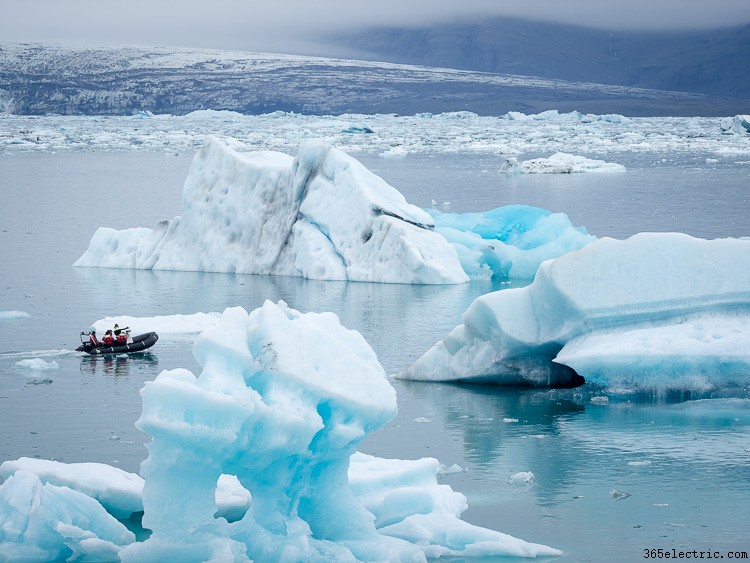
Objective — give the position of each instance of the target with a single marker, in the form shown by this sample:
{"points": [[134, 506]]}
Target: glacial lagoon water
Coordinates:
{"points": [[613, 475]]}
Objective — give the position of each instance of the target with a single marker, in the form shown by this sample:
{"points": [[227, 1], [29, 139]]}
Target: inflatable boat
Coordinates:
{"points": [[139, 343]]}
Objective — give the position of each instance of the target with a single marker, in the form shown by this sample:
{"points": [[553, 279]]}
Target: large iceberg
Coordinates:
{"points": [[321, 215], [653, 312], [255, 458]]}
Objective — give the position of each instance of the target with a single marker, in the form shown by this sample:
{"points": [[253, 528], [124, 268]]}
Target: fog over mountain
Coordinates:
{"points": [[714, 62]]}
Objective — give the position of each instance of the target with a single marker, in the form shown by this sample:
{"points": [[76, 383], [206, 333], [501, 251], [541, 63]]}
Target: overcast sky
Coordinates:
{"points": [[286, 25]]}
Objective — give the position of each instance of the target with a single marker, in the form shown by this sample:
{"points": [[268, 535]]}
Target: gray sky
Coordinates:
{"points": [[286, 25]]}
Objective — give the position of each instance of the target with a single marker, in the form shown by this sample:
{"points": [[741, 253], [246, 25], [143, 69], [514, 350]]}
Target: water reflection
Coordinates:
{"points": [[119, 365]]}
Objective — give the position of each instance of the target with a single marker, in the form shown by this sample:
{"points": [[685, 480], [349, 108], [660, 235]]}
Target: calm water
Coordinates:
{"points": [[612, 479]]}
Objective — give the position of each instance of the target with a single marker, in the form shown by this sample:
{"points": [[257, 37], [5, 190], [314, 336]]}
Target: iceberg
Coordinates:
{"points": [[44, 522], [509, 242], [560, 163], [255, 459], [321, 215], [739, 124], [657, 311]]}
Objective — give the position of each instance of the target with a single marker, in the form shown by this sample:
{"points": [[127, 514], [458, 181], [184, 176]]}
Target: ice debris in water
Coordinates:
{"points": [[657, 311], [269, 430]]}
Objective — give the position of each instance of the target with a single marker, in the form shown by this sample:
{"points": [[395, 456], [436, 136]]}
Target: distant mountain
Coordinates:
{"points": [[715, 62], [45, 79]]}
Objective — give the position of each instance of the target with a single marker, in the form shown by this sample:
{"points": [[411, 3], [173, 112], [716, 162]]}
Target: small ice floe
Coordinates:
{"points": [[600, 400], [510, 420], [11, 315], [618, 495], [446, 204], [521, 478], [38, 364], [422, 419], [661, 505], [639, 463], [536, 436], [559, 163], [450, 469], [712, 160]]}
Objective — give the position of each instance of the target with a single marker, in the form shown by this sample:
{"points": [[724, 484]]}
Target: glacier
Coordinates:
{"points": [[323, 215], [657, 311], [253, 459]]}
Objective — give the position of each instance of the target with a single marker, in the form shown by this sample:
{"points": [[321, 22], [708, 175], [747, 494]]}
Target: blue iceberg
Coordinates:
{"points": [[253, 459], [657, 311]]}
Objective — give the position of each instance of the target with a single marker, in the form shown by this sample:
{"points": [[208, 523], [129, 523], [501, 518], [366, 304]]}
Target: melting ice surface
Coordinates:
{"points": [[655, 311], [323, 215], [282, 402]]}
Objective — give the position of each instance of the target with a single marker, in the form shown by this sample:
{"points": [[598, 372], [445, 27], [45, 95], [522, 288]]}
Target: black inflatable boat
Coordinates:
{"points": [[140, 342]]}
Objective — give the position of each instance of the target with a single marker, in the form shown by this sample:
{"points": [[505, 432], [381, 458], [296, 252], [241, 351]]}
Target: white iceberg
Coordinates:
{"points": [[560, 163], [510, 241], [656, 311], [255, 458], [321, 215], [739, 124]]}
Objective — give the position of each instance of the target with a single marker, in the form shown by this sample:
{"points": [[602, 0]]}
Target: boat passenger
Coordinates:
{"points": [[120, 334], [93, 339], [108, 339]]}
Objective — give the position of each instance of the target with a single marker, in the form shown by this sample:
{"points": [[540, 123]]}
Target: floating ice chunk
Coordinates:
{"points": [[163, 324], [12, 315], [118, 491], [618, 495], [408, 503], [321, 215], [38, 364], [510, 241], [559, 163], [739, 124], [521, 478], [450, 469], [43, 522], [656, 311]]}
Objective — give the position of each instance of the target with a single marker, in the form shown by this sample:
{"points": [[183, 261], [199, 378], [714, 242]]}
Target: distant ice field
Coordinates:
{"points": [[388, 135]]}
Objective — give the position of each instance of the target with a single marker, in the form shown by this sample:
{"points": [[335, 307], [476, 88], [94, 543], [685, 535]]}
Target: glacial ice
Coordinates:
{"points": [[560, 163], [739, 124], [325, 216], [510, 241], [321, 215], [255, 458], [656, 311], [44, 522]]}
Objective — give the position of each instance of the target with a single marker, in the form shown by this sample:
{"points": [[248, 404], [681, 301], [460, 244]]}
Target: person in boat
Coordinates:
{"points": [[93, 339], [108, 339], [122, 335]]}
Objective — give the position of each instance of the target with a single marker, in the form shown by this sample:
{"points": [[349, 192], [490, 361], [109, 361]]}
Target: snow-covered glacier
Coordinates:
{"points": [[323, 215], [253, 459], [657, 311]]}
